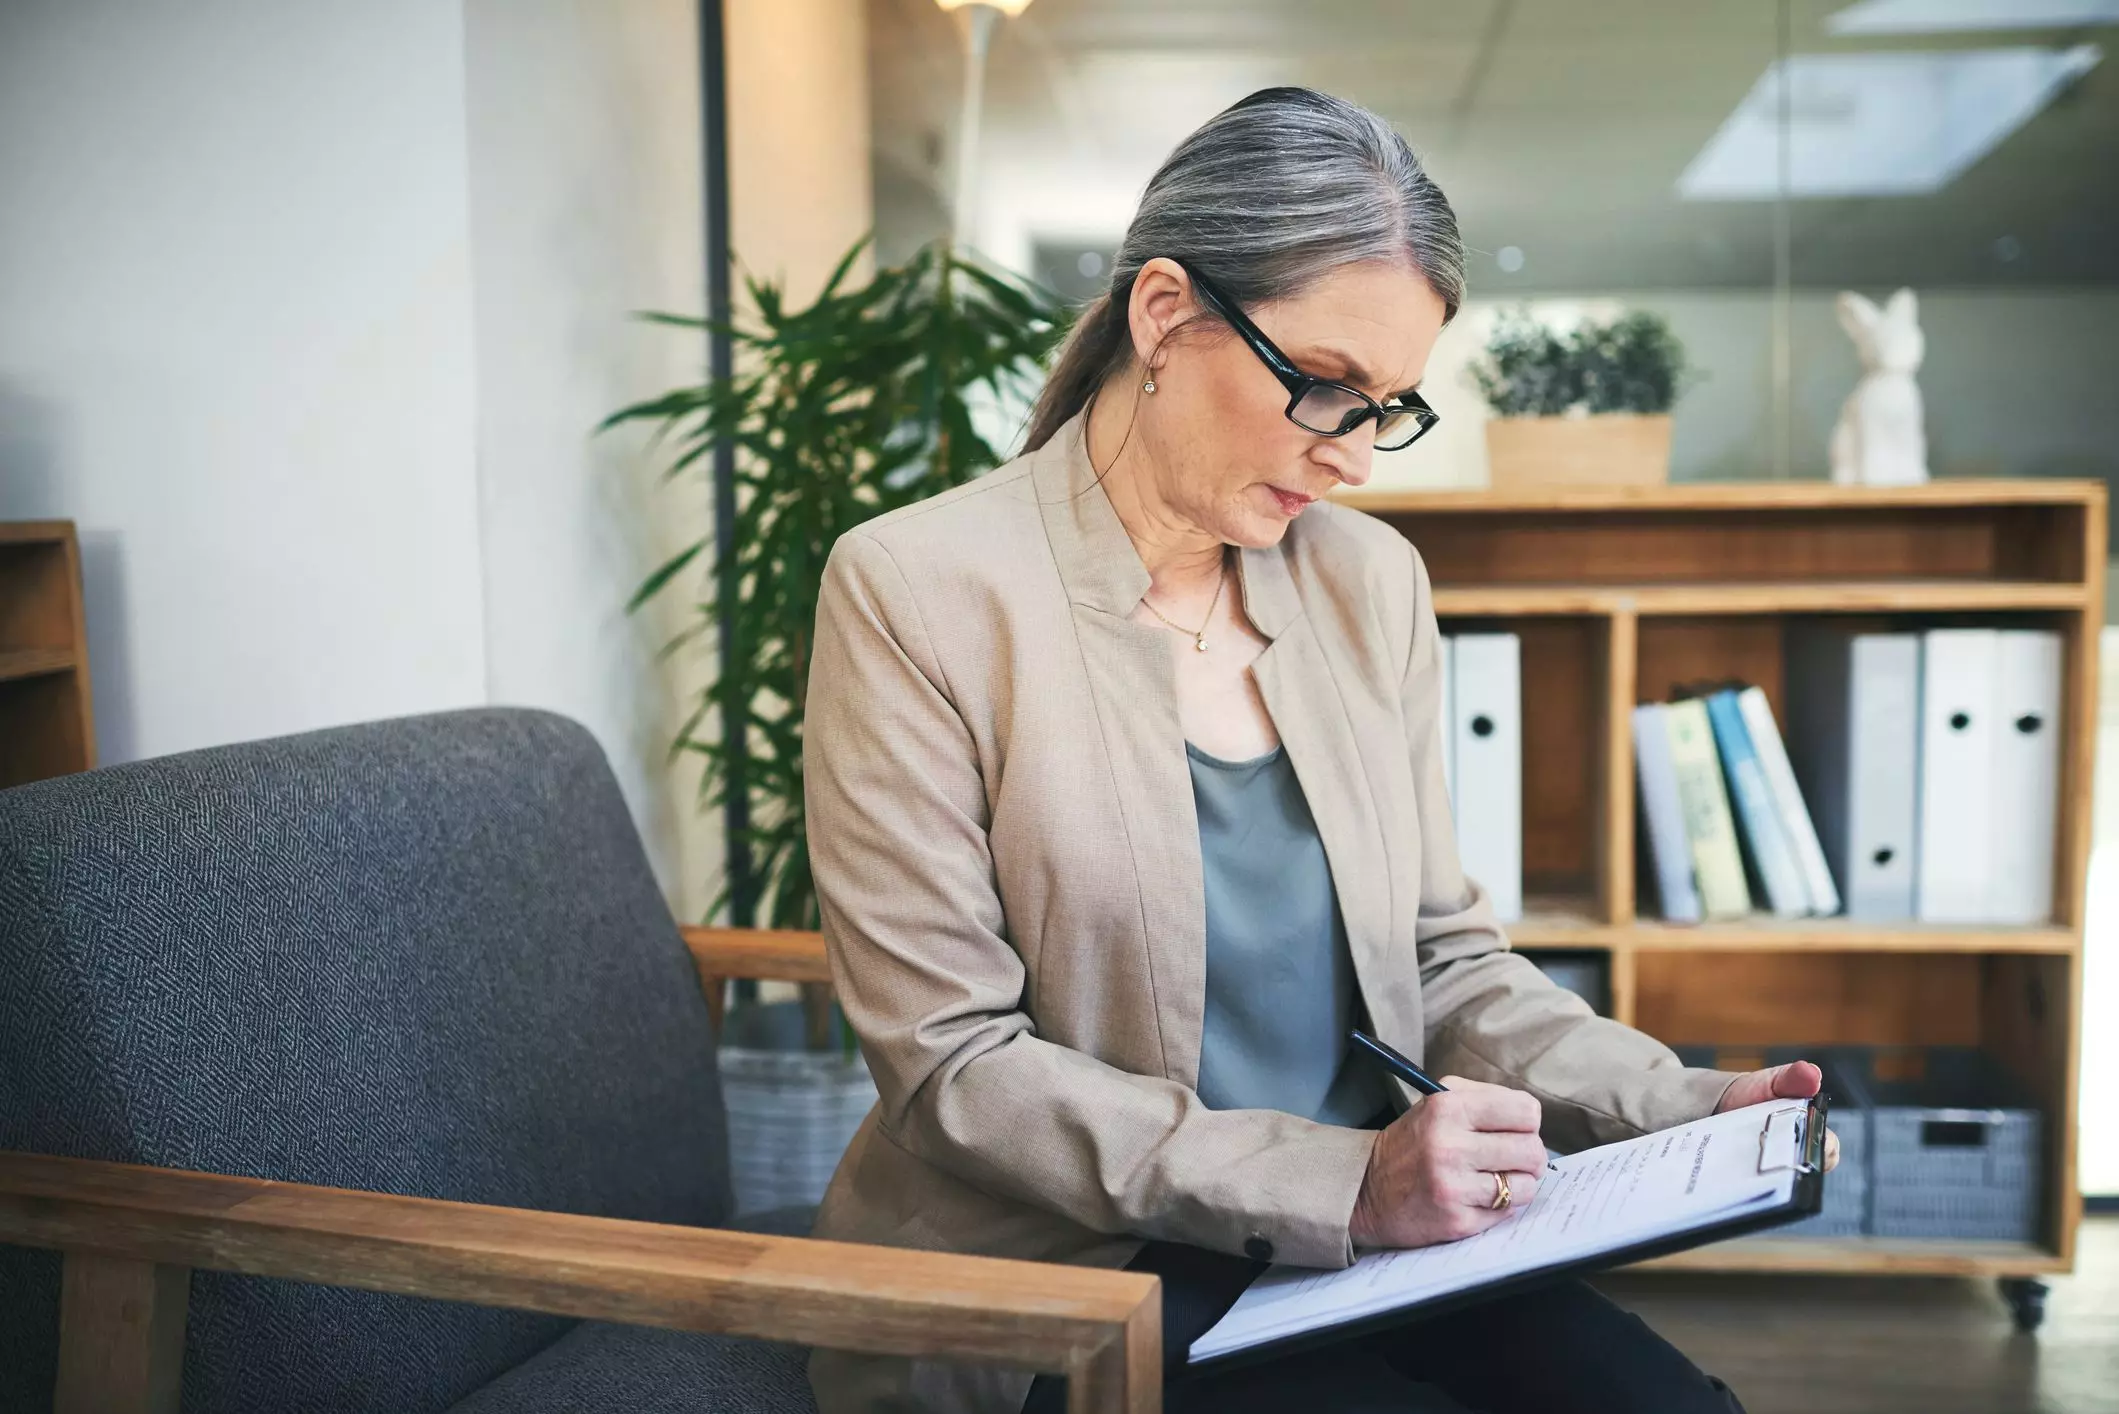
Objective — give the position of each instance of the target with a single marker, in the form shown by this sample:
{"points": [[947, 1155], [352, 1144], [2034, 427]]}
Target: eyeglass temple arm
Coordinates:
{"points": [[1292, 378]]}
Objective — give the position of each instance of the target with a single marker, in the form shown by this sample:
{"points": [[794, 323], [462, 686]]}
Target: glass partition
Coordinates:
{"points": [[1732, 167]]}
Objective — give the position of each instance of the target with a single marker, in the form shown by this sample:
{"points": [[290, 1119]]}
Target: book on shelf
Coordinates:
{"points": [[1919, 779], [1669, 851], [1766, 841], [1709, 826], [1789, 806]]}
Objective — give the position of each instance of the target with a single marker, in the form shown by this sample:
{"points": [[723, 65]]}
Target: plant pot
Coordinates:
{"points": [[791, 1111], [1607, 449]]}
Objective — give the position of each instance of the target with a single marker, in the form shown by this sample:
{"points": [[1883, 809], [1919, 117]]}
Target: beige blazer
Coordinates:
{"points": [[1002, 832]]}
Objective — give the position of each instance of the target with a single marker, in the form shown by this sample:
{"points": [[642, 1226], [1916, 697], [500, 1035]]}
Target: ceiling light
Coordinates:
{"points": [[1897, 123], [1010, 8], [1944, 16]]}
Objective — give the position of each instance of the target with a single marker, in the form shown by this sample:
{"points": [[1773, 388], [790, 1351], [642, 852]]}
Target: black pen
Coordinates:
{"points": [[1396, 1063]]}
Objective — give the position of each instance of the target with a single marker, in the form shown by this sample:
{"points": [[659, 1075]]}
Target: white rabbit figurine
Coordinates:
{"points": [[1880, 440]]}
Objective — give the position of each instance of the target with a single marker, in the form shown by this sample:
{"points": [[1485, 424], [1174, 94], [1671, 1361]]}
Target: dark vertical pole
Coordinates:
{"points": [[720, 363], [1783, 247]]}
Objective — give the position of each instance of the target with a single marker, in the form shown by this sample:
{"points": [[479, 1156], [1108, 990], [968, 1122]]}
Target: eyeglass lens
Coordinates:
{"points": [[1334, 412]]}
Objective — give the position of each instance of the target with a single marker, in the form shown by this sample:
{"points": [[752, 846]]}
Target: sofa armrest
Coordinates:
{"points": [[130, 1233], [766, 954]]}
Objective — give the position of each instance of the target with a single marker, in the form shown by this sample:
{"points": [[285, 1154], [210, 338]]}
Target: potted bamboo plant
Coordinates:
{"points": [[1587, 407], [858, 403]]}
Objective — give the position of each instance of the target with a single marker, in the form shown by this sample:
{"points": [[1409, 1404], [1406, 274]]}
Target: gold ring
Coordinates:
{"points": [[1502, 1197]]}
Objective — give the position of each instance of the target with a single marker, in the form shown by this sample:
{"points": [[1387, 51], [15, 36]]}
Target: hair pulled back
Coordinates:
{"points": [[1267, 197]]}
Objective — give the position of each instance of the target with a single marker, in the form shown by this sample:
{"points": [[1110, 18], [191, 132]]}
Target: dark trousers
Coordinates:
{"points": [[1561, 1349]]}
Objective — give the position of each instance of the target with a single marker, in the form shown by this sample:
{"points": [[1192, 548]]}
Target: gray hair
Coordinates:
{"points": [[1267, 197]]}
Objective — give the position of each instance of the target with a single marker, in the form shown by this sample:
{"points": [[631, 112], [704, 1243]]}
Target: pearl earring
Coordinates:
{"points": [[1148, 387]]}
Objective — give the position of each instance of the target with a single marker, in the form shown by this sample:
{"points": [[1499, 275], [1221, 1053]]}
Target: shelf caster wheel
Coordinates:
{"points": [[2026, 1299]]}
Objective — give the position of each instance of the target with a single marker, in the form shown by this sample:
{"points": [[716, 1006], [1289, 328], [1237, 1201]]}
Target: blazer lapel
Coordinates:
{"points": [[1305, 699], [1135, 691]]}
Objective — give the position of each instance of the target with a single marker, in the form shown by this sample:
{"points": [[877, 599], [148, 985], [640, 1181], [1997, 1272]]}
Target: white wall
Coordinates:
{"points": [[585, 207], [307, 311], [236, 347], [799, 190]]}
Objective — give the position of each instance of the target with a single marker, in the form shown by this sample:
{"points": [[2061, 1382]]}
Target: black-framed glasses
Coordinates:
{"points": [[1318, 404]]}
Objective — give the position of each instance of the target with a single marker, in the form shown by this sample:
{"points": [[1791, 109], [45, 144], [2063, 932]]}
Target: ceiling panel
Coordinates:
{"points": [[1268, 26], [1556, 126]]}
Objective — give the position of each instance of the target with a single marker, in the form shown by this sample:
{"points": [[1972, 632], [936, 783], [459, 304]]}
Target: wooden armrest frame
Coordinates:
{"points": [[131, 1234], [766, 954]]}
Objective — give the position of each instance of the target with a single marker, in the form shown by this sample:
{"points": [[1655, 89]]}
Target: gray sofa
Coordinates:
{"points": [[420, 957]]}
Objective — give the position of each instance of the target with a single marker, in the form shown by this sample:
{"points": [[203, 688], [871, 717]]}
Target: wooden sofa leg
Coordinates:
{"points": [[716, 1003], [121, 1336]]}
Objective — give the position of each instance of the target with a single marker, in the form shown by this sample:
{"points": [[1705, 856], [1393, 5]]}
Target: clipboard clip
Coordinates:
{"points": [[1797, 1133]]}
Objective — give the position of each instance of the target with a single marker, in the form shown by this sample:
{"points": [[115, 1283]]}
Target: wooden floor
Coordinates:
{"points": [[1896, 1345]]}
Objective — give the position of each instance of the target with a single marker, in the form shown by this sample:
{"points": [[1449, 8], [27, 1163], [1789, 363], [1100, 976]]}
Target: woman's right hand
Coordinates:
{"points": [[1431, 1175]]}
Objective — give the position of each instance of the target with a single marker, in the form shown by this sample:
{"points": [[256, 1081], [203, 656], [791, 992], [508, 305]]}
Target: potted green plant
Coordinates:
{"points": [[855, 404], [1590, 406]]}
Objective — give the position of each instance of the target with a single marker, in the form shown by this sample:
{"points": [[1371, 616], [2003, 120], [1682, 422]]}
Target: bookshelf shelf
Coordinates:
{"points": [[1764, 933], [36, 532], [1866, 1254], [34, 662], [1617, 595], [1744, 496], [1553, 921], [1708, 600], [46, 726]]}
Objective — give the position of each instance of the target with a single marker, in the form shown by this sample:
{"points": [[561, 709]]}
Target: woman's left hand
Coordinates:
{"points": [[1798, 1080]]}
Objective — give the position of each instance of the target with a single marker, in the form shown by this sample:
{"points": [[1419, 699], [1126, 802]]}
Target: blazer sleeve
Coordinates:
{"points": [[1491, 1015], [897, 814]]}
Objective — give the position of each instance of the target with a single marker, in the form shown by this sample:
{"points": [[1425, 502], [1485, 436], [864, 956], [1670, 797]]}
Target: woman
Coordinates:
{"points": [[1126, 802]]}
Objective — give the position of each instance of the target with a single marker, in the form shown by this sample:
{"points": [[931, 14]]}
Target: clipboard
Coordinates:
{"points": [[1780, 1150]]}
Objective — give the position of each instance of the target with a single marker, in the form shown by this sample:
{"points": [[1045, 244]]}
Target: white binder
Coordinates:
{"points": [[1486, 686], [1663, 816], [1957, 702], [2026, 776], [1447, 724], [1854, 739]]}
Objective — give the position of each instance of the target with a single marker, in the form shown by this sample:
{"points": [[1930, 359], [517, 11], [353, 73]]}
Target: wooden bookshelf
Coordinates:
{"points": [[46, 727], [1620, 593]]}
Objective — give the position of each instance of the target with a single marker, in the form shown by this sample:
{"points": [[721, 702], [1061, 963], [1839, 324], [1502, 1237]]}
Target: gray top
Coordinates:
{"points": [[1280, 979]]}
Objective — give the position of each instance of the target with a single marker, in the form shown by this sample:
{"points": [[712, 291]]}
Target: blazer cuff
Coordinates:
{"points": [[1312, 1230], [1672, 1095]]}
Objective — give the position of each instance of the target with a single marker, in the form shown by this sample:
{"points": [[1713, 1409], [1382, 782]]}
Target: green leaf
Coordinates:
{"points": [[841, 410], [652, 585], [1631, 364]]}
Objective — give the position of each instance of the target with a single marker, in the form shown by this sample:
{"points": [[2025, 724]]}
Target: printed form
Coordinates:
{"points": [[1601, 1200]]}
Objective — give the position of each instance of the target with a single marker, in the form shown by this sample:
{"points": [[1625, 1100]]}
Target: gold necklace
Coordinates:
{"points": [[1199, 635]]}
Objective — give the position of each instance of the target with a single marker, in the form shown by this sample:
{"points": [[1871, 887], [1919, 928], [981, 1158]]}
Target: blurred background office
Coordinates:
{"points": [[308, 314]]}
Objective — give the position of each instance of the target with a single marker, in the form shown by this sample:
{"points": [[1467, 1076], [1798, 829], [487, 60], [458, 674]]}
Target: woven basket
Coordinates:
{"points": [[791, 1112]]}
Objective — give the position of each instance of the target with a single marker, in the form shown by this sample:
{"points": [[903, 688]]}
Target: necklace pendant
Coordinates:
{"points": [[1200, 643]]}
